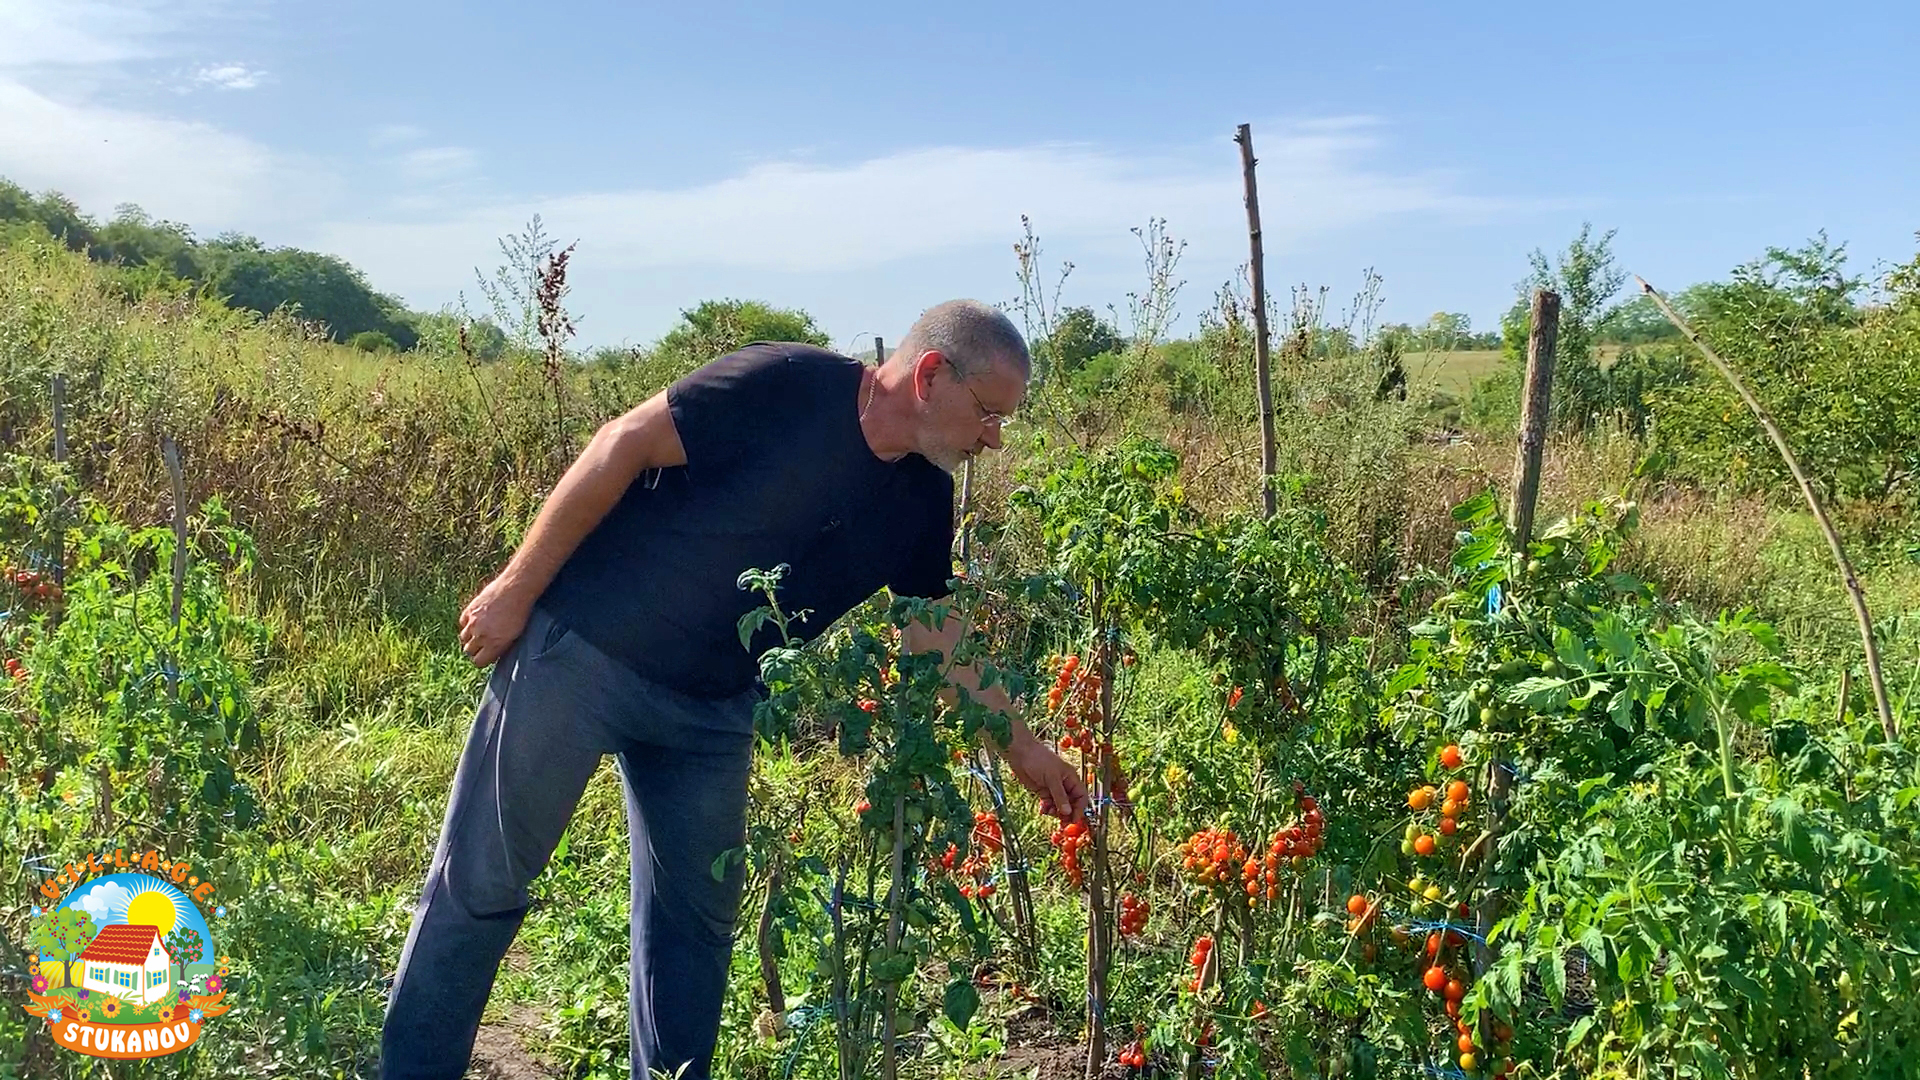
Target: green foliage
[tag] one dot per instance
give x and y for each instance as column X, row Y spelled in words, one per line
column 319, row 287
column 373, row 341
column 164, row 255
column 137, row 714
column 1842, row 382
column 716, row 327
column 1687, row 879
column 1078, row 336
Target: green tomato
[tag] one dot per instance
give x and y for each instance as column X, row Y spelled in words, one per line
column 1406, row 847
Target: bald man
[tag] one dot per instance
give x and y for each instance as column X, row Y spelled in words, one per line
column 613, row 630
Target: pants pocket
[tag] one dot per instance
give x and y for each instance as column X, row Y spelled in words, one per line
column 548, row 635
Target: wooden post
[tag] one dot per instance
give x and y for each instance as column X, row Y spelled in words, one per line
column 879, row 351
column 966, row 512
column 1260, row 367
column 1535, row 412
column 59, row 553
column 1848, row 579
column 170, row 455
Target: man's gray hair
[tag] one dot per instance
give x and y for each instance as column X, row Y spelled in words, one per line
column 971, row 334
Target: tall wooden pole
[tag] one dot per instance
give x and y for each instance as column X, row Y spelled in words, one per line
column 1260, row 368
column 59, row 553
column 1535, row 411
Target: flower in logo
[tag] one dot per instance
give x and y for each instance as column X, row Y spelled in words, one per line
column 53, row 1016
column 39, row 984
column 82, row 1015
column 36, row 912
column 184, row 992
column 110, row 1007
column 196, row 1016
column 220, row 912
column 85, row 993
column 213, row 984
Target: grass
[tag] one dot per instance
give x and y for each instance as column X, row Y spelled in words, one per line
column 1453, row 372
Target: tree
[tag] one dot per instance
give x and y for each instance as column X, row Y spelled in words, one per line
column 1078, row 336
column 64, row 933
column 316, row 286
column 716, row 327
column 187, row 947
column 1587, row 280
column 1839, row 378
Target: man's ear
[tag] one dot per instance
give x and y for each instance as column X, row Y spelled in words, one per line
column 924, row 369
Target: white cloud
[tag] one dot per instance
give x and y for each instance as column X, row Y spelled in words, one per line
column 75, row 32
column 178, row 169
column 779, row 219
column 103, row 900
column 229, row 77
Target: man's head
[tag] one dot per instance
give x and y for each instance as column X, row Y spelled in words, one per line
column 968, row 367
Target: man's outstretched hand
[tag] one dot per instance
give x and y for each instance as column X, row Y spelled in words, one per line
column 1057, row 784
column 492, row 621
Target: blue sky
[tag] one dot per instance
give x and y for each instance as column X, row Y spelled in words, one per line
column 866, row 160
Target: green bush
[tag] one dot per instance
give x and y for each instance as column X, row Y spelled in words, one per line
column 1842, row 380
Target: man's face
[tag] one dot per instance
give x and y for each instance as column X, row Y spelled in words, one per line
column 961, row 416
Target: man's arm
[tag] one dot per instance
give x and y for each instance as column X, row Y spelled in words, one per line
column 642, row 438
column 1057, row 784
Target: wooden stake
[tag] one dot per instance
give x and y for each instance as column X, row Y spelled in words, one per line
column 59, row 553
column 1535, row 415
column 1855, row 595
column 966, row 513
column 1260, row 366
column 1535, row 412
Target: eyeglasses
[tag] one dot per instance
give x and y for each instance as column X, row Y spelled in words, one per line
column 987, row 416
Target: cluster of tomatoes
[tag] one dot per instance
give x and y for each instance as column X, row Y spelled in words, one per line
column 16, row 669
column 1134, row 1056
column 1133, row 915
column 1070, row 839
column 977, row 867
column 1078, row 690
column 1202, row 950
column 1449, row 804
column 1209, row 855
column 32, row 583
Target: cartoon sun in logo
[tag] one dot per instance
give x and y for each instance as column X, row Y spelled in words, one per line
column 155, row 906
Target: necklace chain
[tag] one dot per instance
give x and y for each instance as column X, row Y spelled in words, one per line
column 871, row 386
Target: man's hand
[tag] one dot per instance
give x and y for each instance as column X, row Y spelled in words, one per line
column 1057, row 784
column 493, row 620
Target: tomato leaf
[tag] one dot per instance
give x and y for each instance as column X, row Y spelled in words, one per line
column 1542, row 692
column 1572, row 651
column 960, row 1002
column 1612, row 637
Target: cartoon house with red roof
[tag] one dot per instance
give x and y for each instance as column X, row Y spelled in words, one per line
column 129, row 961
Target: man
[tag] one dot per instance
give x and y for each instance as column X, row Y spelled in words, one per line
column 613, row 630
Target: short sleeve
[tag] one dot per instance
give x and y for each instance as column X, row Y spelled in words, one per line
column 926, row 563
column 721, row 411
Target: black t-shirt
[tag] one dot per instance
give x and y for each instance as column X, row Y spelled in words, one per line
column 778, row 471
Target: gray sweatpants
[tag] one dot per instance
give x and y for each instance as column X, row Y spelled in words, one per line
column 553, row 707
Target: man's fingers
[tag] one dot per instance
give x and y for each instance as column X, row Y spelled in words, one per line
column 1059, row 792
